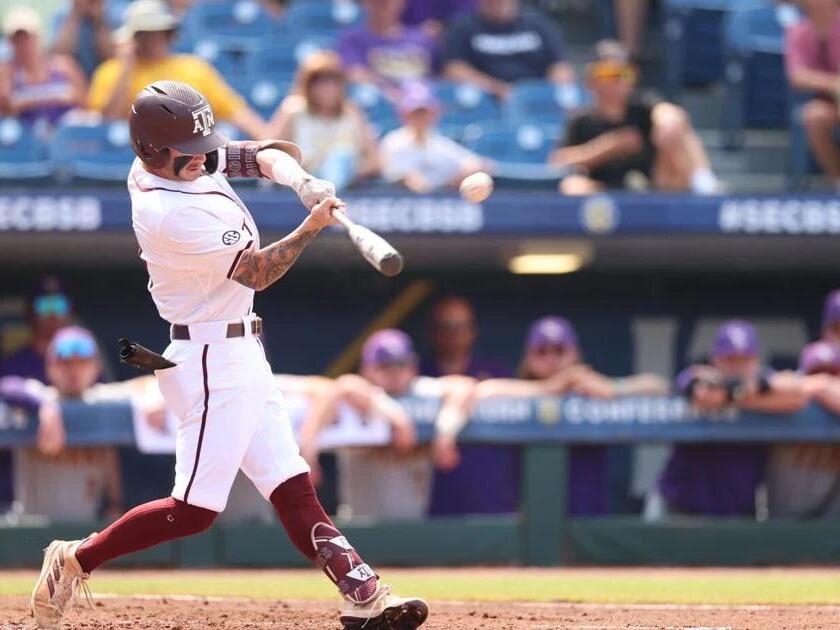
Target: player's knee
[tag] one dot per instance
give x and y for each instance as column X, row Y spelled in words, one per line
column 671, row 125
column 191, row 518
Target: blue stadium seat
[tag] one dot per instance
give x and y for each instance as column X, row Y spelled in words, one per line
column 543, row 103
column 693, row 31
column 231, row 22
column 278, row 58
column 320, row 17
column 463, row 104
column 100, row 152
column 22, row 154
column 756, row 85
column 228, row 59
column 378, row 109
column 264, row 94
column 524, row 143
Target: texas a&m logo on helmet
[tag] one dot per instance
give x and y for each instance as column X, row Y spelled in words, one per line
column 204, row 121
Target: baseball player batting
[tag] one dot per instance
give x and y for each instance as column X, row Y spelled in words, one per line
column 203, row 254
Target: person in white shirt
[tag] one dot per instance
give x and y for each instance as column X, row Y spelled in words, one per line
column 417, row 155
column 204, row 258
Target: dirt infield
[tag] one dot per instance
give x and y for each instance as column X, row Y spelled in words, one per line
column 234, row 614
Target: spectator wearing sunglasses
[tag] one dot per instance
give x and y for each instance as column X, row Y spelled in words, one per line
column 552, row 350
column 463, row 489
column 48, row 310
column 60, row 482
column 628, row 141
column 803, row 480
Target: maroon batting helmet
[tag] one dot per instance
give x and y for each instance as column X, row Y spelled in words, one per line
column 173, row 115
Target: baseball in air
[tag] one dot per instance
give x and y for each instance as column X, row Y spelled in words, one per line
column 476, row 187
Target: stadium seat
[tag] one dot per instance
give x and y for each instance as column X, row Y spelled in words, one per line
column 756, row 85
column 279, row 58
column 22, row 154
column 693, row 33
column 100, row 152
column 518, row 143
column 542, row 102
column 463, row 104
column 378, row 109
column 264, row 94
column 228, row 59
column 320, row 17
column 238, row 21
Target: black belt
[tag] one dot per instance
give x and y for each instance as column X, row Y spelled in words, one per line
column 237, row 329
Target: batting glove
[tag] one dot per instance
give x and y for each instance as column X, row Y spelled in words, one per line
column 314, row 191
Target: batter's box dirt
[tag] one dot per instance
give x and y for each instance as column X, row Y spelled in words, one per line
column 200, row 614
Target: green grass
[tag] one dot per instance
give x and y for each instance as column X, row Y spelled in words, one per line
column 776, row 586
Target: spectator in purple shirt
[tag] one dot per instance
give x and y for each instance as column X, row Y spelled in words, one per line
column 48, row 310
column 463, row 489
column 721, row 479
column 812, row 61
column 433, row 15
column 384, row 51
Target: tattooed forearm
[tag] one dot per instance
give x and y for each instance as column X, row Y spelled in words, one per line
column 261, row 268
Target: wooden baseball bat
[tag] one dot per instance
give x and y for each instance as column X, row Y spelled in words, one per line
column 375, row 249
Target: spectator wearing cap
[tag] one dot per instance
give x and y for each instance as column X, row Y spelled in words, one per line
column 453, row 332
column 627, row 140
column 48, row 310
column 333, row 134
column 501, row 44
column 830, row 328
column 812, row 62
column 722, row 479
column 144, row 55
column 60, row 482
column 417, row 155
column 384, row 51
column 552, row 349
column 388, row 482
column 803, row 480
column 83, row 31
column 36, row 86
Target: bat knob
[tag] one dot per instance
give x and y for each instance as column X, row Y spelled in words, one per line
column 392, row 264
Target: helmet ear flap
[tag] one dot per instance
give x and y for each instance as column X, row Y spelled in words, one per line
column 211, row 161
column 151, row 157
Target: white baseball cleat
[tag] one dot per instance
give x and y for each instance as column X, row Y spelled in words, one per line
column 61, row 577
column 384, row 611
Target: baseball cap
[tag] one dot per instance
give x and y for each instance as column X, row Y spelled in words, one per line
column 735, row 338
column 21, row 18
column 831, row 309
column 820, row 356
column 73, row 342
column 551, row 331
column 389, row 346
column 144, row 16
column 48, row 298
column 417, row 96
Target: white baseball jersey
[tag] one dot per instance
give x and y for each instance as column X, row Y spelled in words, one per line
column 230, row 412
column 191, row 236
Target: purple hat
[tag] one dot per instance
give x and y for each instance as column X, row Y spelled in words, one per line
column 820, row 356
column 388, row 346
column 417, row 96
column 73, row 342
column 831, row 309
column 735, row 338
column 551, row 331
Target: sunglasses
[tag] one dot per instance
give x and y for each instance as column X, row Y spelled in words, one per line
column 611, row 72
column 46, row 305
column 75, row 347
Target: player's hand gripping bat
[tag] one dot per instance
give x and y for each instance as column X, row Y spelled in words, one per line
column 375, row 249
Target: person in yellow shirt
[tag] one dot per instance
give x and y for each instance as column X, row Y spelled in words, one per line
column 144, row 56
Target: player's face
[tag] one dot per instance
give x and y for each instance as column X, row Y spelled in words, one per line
column 613, row 89
column 499, row 10
column 185, row 167
column 394, row 378
column 72, row 376
column 738, row 366
column 327, row 91
column 152, row 44
column 546, row 361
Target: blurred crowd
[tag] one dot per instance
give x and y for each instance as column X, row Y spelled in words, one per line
column 401, row 478
column 389, row 98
